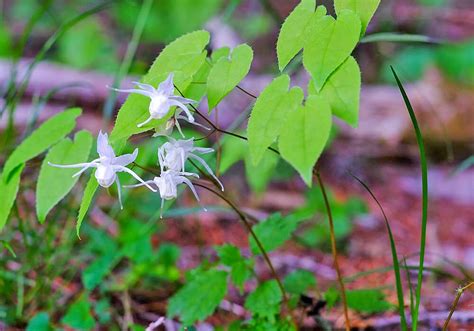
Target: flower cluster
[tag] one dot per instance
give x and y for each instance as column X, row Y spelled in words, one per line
column 172, row 155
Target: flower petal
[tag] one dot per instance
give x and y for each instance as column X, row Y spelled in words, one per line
column 103, row 147
column 125, row 159
column 167, row 87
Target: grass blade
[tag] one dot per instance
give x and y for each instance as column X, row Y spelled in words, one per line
column 396, row 265
column 424, row 183
column 398, row 38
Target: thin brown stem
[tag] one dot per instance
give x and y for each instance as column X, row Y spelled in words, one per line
column 334, row 250
column 247, row 92
column 459, row 292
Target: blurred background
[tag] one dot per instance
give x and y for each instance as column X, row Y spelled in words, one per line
column 438, row 74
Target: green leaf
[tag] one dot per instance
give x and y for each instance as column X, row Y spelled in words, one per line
column 183, row 57
column 227, row 73
column 8, row 192
column 240, row 267
column 265, row 300
column 39, row 322
column 273, row 232
column 296, row 30
column 367, row 301
column 269, row 114
column 87, row 197
column 330, row 45
column 233, row 150
column 259, row 175
column 299, row 281
column 95, row 272
column 79, row 315
column 364, row 8
column 219, row 53
column 199, row 298
column 49, row 133
column 342, row 91
column 54, row 184
column 305, row 134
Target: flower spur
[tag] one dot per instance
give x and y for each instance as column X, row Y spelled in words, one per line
column 107, row 165
column 162, row 99
column 174, row 153
column 167, row 184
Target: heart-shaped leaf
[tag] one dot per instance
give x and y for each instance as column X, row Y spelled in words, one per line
column 295, row 31
column 364, row 8
column 227, row 73
column 53, row 185
column 330, row 45
column 269, row 114
column 305, row 134
column 342, row 91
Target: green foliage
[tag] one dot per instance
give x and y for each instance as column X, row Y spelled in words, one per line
column 95, row 272
column 39, row 322
column 299, row 281
column 330, row 45
column 226, row 73
column 199, row 297
column 273, row 232
column 411, row 61
column 364, row 8
column 48, row 134
column 87, row 198
column 367, row 301
column 258, row 176
column 305, row 134
column 240, row 268
column 342, row 91
column 53, row 185
column 8, row 192
column 455, row 60
column 75, row 47
column 270, row 113
column 79, row 314
column 5, row 40
column 265, row 301
column 168, row 19
column 184, row 57
column 296, row 30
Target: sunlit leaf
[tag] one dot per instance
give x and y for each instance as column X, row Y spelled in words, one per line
column 227, row 73
column 8, row 192
column 49, row 133
column 79, row 315
column 53, row 185
column 364, row 8
column 342, row 91
column 296, row 30
column 305, row 134
column 269, row 114
column 330, row 45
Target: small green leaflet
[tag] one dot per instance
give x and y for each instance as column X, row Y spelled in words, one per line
column 227, row 73
column 240, row 267
column 330, row 45
column 199, row 297
column 269, row 114
column 184, row 57
column 368, row 301
column 79, row 314
column 342, row 91
column 296, row 30
column 273, row 232
column 299, row 281
column 305, row 134
column 53, row 185
column 87, row 197
column 39, row 322
column 49, row 133
column 364, row 8
column 8, row 192
column 265, row 300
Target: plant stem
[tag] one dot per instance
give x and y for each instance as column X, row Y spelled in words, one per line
column 459, row 292
column 334, row 250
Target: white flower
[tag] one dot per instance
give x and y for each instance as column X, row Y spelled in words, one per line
column 162, row 99
column 167, row 184
column 173, row 155
column 107, row 165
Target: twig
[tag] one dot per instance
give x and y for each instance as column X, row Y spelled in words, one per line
column 459, row 292
column 334, row 250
